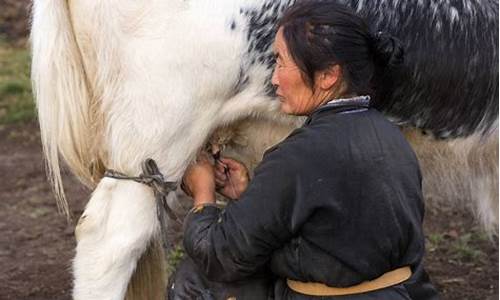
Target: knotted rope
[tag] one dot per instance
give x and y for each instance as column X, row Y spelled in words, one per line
column 152, row 177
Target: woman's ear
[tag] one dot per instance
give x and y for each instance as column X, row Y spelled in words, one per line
column 329, row 77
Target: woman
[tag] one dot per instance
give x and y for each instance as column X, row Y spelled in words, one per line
column 335, row 210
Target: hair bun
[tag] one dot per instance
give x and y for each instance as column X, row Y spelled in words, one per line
column 388, row 50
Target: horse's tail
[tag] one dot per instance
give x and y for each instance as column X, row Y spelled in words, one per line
column 150, row 276
column 62, row 94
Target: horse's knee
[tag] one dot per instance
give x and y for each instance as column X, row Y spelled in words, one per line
column 82, row 227
column 96, row 211
column 79, row 227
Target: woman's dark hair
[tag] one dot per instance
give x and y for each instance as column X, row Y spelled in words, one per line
column 320, row 34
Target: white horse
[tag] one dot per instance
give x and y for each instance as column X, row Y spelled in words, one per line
column 118, row 82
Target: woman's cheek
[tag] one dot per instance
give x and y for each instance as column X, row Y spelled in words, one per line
column 285, row 107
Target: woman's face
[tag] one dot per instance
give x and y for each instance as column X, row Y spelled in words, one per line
column 296, row 97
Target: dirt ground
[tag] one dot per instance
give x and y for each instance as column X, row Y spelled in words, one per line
column 37, row 244
column 14, row 19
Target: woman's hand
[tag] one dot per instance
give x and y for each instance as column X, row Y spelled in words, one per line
column 231, row 177
column 199, row 181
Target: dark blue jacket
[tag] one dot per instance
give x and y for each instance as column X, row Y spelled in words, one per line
column 339, row 202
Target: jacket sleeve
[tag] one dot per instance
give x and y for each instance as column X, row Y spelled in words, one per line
column 237, row 242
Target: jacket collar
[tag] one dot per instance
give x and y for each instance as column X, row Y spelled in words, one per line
column 344, row 105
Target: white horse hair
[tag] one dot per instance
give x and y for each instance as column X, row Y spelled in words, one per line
column 117, row 82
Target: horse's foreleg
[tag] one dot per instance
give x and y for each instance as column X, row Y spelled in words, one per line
column 117, row 226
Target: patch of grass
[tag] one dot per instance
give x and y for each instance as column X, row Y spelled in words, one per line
column 464, row 247
column 174, row 257
column 434, row 241
column 16, row 100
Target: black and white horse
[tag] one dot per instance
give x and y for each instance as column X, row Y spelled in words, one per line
column 120, row 81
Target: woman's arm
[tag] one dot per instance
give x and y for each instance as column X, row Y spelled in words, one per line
column 235, row 243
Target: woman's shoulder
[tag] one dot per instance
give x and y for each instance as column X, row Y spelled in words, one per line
column 354, row 123
column 359, row 135
column 300, row 147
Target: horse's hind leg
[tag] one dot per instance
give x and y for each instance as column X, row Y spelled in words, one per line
column 463, row 170
column 115, row 230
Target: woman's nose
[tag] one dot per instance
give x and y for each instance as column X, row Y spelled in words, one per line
column 274, row 78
